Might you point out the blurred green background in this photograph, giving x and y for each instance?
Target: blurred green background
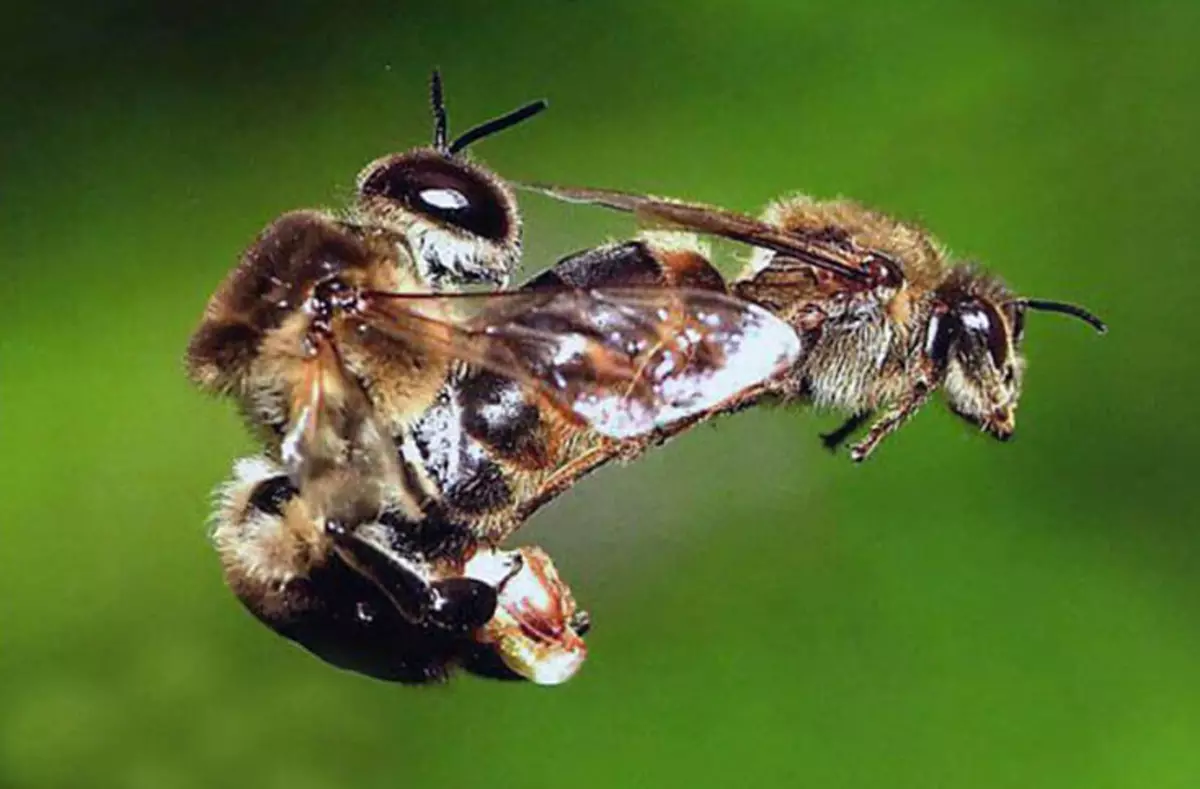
(954, 613)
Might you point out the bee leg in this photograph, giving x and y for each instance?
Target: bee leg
(889, 423)
(457, 605)
(462, 605)
(835, 438)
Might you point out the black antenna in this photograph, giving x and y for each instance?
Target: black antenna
(1066, 309)
(438, 102)
(496, 125)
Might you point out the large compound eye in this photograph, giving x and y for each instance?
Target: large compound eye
(982, 320)
(446, 191)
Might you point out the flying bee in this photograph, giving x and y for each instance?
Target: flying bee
(888, 316)
(518, 621)
(335, 339)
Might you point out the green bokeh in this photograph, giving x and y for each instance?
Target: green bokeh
(955, 613)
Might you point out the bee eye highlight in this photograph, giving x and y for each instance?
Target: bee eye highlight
(445, 199)
(975, 320)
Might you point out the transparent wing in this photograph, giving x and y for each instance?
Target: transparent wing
(623, 360)
(333, 428)
(714, 221)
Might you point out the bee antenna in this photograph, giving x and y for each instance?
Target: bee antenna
(437, 102)
(1073, 310)
(489, 128)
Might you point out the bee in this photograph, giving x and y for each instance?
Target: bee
(337, 335)
(358, 617)
(887, 315)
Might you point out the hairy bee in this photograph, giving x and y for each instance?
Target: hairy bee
(349, 596)
(339, 336)
(888, 316)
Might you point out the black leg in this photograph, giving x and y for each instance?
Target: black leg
(462, 605)
(454, 604)
(346, 620)
(834, 439)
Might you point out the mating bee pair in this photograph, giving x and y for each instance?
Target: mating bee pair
(410, 428)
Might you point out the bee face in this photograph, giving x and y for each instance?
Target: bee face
(459, 220)
(984, 368)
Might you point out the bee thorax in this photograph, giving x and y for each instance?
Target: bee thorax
(447, 260)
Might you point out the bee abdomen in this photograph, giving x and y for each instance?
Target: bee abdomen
(498, 413)
(664, 260)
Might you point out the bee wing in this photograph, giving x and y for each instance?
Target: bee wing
(307, 434)
(623, 360)
(330, 416)
(713, 221)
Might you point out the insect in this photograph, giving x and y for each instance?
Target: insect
(336, 335)
(887, 315)
(356, 615)
(458, 222)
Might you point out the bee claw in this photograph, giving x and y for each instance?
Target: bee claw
(581, 622)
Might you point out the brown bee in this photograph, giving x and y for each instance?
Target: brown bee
(887, 315)
(358, 616)
(329, 338)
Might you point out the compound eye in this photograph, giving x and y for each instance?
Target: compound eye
(984, 322)
(445, 191)
(997, 337)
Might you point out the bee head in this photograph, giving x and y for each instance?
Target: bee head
(460, 221)
(974, 336)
